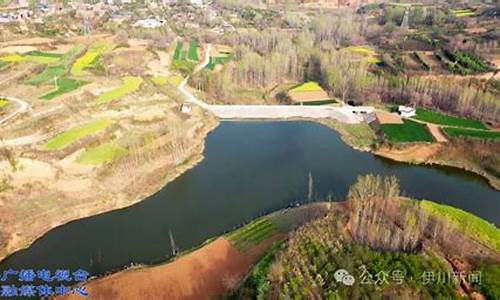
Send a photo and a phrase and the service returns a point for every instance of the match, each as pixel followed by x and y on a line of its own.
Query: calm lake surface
pixel 250 168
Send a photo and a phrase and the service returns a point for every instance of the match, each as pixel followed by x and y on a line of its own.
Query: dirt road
pixel 343 114
pixel 23 106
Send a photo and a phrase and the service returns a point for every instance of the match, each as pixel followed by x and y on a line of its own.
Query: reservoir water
pixel 250 168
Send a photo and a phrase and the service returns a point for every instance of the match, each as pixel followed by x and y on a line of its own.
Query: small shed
pixel 186 108
pixel 407 111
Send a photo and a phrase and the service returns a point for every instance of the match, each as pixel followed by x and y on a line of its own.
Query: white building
pixel 150 23
pixel 186 108
pixel 407 111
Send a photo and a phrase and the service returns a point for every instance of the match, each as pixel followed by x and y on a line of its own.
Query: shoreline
pixel 198 156
pixel 393 155
pixel 193 160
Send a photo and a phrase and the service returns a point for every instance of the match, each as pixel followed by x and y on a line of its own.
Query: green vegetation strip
pixel 102 154
pixel 310 86
pixel 130 85
pixel 3 102
pixel 66 138
pixel 439 118
pixel 318 102
pixel 193 50
pixel 47 75
pixel 64 85
pixel 480 134
pixel 410 131
pixel 468 223
pixel 252 234
pixel 178 51
pixel 215 60
pixel 40 59
pixel 89 58
pixel 174 80
pixel 51 73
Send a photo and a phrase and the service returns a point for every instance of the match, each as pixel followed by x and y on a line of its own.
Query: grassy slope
pixel 102 154
pixel 410 131
pixel 360 135
pixel 468 223
pixel 460 132
pixel 66 138
pixel 442 119
pixel 130 85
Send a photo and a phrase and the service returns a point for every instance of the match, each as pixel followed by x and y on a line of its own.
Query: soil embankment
pixel 202 274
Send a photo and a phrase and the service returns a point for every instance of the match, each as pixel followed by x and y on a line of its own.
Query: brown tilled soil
pixel 205 273
pixel 308 96
pixel 388 118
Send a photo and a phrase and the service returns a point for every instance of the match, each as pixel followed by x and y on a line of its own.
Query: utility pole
pixel 172 244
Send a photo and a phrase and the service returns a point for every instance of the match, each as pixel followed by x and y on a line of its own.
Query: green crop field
pixel 35 56
pixel 216 60
pixel 47 75
pixel 64 85
pixel 410 131
pixel 252 234
pixel 480 134
pixel 89 58
pixel 178 50
pixel 442 119
pixel 130 85
pixel 66 138
pixel 468 223
pixel 102 154
pixel 3 103
pixel 310 86
pixel 56 71
pixel 193 50
pixel 463 13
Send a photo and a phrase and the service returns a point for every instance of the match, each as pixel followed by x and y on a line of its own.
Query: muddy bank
pixel 207 272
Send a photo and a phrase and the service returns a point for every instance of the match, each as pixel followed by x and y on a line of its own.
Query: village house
pixel 406 111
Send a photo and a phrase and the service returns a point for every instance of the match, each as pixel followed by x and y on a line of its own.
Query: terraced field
pixel 35 56
pixel 66 138
pixel 64 85
pixel 55 71
pixel 89 58
pixel 130 85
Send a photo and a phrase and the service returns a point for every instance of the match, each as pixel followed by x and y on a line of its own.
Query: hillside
pixel 393 247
